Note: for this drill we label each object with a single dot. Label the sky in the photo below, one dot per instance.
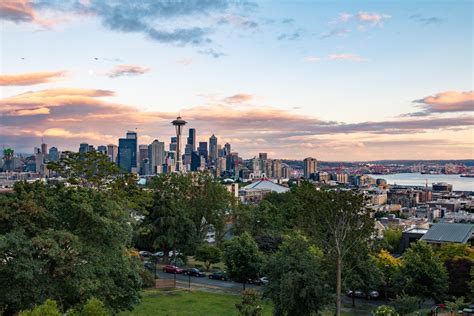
(334, 80)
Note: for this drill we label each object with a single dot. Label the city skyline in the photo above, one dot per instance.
(346, 82)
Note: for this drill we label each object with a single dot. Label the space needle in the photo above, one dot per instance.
(178, 124)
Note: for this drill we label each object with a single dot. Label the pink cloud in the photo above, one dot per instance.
(372, 17)
(27, 79)
(127, 70)
(239, 98)
(346, 57)
(449, 101)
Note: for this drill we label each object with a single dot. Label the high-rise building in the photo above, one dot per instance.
(112, 152)
(173, 143)
(192, 139)
(53, 154)
(44, 149)
(310, 167)
(227, 149)
(276, 169)
(102, 149)
(202, 150)
(213, 148)
(157, 155)
(127, 152)
(143, 158)
(83, 148)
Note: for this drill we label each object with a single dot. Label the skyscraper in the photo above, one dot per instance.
(227, 149)
(203, 149)
(157, 155)
(213, 148)
(143, 157)
(173, 143)
(44, 149)
(53, 154)
(83, 148)
(127, 152)
(112, 152)
(310, 167)
(192, 139)
(102, 149)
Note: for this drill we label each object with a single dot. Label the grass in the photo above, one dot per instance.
(218, 266)
(183, 303)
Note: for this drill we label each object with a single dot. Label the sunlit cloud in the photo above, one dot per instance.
(27, 79)
(445, 102)
(239, 98)
(372, 17)
(346, 57)
(127, 70)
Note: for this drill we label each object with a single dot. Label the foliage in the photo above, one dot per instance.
(148, 280)
(91, 169)
(422, 274)
(338, 222)
(405, 304)
(296, 278)
(48, 308)
(65, 243)
(94, 307)
(459, 275)
(184, 208)
(454, 252)
(242, 258)
(268, 244)
(384, 310)
(208, 254)
(456, 304)
(392, 237)
(471, 284)
(251, 304)
(389, 266)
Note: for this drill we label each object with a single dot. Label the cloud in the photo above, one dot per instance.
(127, 70)
(372, 17)
(27, 79)
(238, 98)
(16, 11)
(211, 52)
(334, 32)
(237, 21)
(444, 102)
(346, 57)
(66, 117)
(426, 20)
(311, 59)
(184, 61)
(289, 36)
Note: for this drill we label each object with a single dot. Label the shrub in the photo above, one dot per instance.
(148, 280)
(251, 304)
(384, 310)
(94, 307)
(405, 304)
(48, 308)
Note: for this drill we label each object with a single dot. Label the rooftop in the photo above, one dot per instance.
(265, 184)
(449, 233)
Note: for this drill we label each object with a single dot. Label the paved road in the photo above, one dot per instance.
(205, 282)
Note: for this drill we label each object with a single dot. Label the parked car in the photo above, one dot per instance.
(264, 280)
(158, 254)
(257, 281)
(172, 269)
(219, 275)
(144, 254)
(361, 294)
(149, 266)
(194, 272)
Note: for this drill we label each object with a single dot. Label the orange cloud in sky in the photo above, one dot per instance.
(127, 70)
(27, 79)
(22, 11)
(449, 101)
(238, 98)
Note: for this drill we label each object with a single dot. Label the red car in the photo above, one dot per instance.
(172, 269)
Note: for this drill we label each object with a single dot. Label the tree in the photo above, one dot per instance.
(384, 310)
(389, 266)
(68, 244)
(242, 258)
(251, 304)
(392, 237)
(459, 275)
(454, 252)
(338, 221)
(208, 254)
(94, 307)
(297, 280)
(421, 273)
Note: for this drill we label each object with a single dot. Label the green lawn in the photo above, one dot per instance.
(183, 303)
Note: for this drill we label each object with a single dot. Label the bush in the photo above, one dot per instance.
(48, 308)
(251, 304)
(148, 280)
(384, 310)
(405, 304)
(94, 307)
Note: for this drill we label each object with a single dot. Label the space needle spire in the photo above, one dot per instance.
(178, 124)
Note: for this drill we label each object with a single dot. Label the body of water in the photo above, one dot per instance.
(459, 183)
